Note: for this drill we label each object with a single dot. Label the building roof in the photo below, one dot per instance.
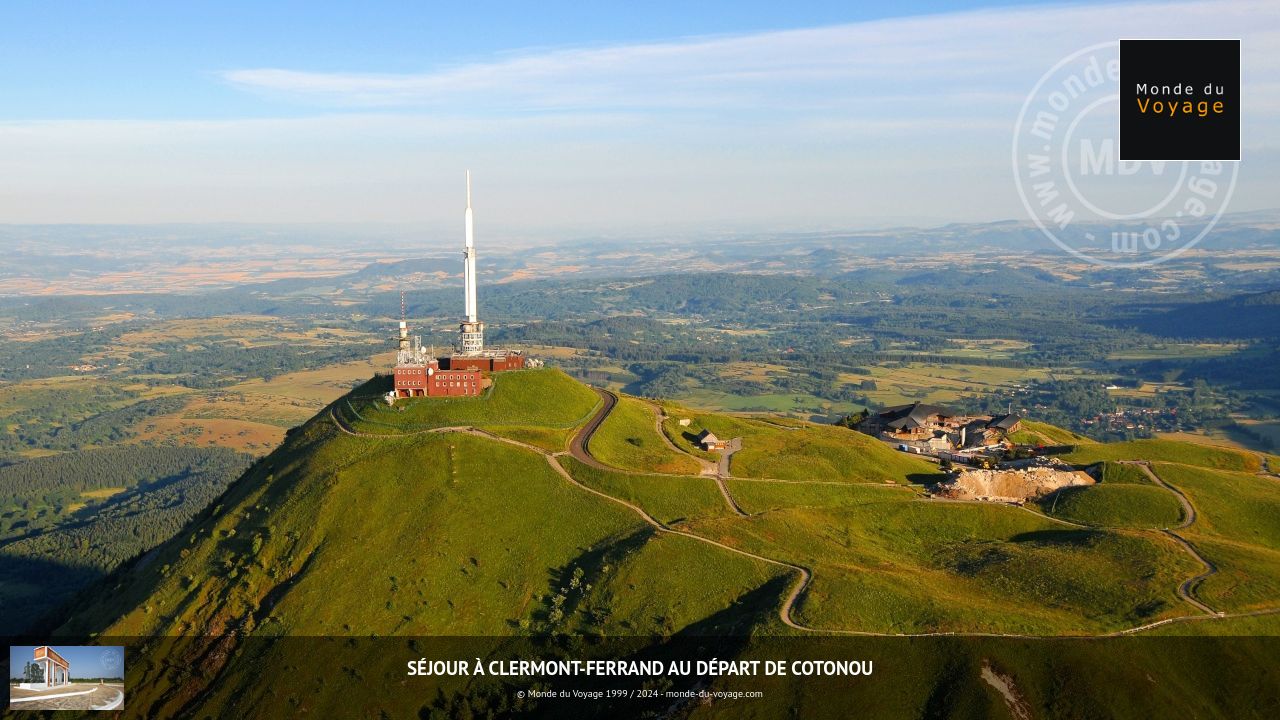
(907, 417)
(1004, 422)
(706, 436)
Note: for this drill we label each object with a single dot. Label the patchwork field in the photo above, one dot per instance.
(899, 383)
(767, 403)
(244, 435)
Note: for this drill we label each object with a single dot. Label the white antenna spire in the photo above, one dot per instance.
(469, 259)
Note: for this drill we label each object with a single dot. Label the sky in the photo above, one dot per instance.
(86, 661)
(574, 118)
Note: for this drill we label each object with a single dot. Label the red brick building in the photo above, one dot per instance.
(428, 380)
(490, 361)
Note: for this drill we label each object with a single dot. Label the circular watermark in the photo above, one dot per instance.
(1082, 196)
(112, 659)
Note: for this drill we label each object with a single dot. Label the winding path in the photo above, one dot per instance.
(578, 445)
(1188, 586)
(579, 449)
(722, 469)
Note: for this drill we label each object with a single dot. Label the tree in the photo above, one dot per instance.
(32, 673)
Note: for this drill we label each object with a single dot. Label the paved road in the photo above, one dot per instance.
(803, 574)
(581, 439)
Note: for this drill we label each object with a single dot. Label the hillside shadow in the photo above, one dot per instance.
(35, 592)
(925, 479)
(744, 614)
(561, 580)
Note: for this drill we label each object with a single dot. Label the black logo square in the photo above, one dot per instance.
(1179, 99)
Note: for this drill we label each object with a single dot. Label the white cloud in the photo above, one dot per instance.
(962, 55)
(838, 126)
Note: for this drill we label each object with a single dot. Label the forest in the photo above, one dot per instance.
(68, 519)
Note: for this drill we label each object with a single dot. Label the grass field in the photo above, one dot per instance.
(804, 452)
(1166, 451)
(756, 496)
(801, 403)
(455, 534)
(549, 439)
(544, 398)
(628, 439)
(1115, 505)
(668, 499)
(1038, 433)
(1238, 529)
(102, 493)
(978, 566)
(1115, 473)
(1179, 351)
(244, 435)
(426, 567)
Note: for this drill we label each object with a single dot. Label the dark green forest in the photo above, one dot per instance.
(54, 540)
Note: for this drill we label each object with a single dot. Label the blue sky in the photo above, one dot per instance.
(139, 60)
(575, 118)
(86, 661)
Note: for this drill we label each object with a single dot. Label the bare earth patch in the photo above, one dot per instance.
(1012, 486)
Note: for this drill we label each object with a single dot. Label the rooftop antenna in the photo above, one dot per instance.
(402, 317)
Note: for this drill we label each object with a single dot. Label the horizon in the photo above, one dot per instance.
(822, 120)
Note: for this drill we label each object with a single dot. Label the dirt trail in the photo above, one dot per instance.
(803, 574)
(1189, 585)
(722, 468)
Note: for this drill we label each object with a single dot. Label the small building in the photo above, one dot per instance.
(940, 442)
(915, 421)
(707, 440)
(57, 671)
(1005, 423)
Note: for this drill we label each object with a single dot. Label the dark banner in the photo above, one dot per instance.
(429, 677)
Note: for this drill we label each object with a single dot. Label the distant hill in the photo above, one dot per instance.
(1255, 315)
(374, 533)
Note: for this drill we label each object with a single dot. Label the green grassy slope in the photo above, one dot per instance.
(410, 533)
(543, 398)
(883, 559)
(350, 535)
(804, 452)
(627, 439)
(1114, 473)
(1237, 529)
(1118, 505)
(1166, 451)
(1035, 433)
(667, 499)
